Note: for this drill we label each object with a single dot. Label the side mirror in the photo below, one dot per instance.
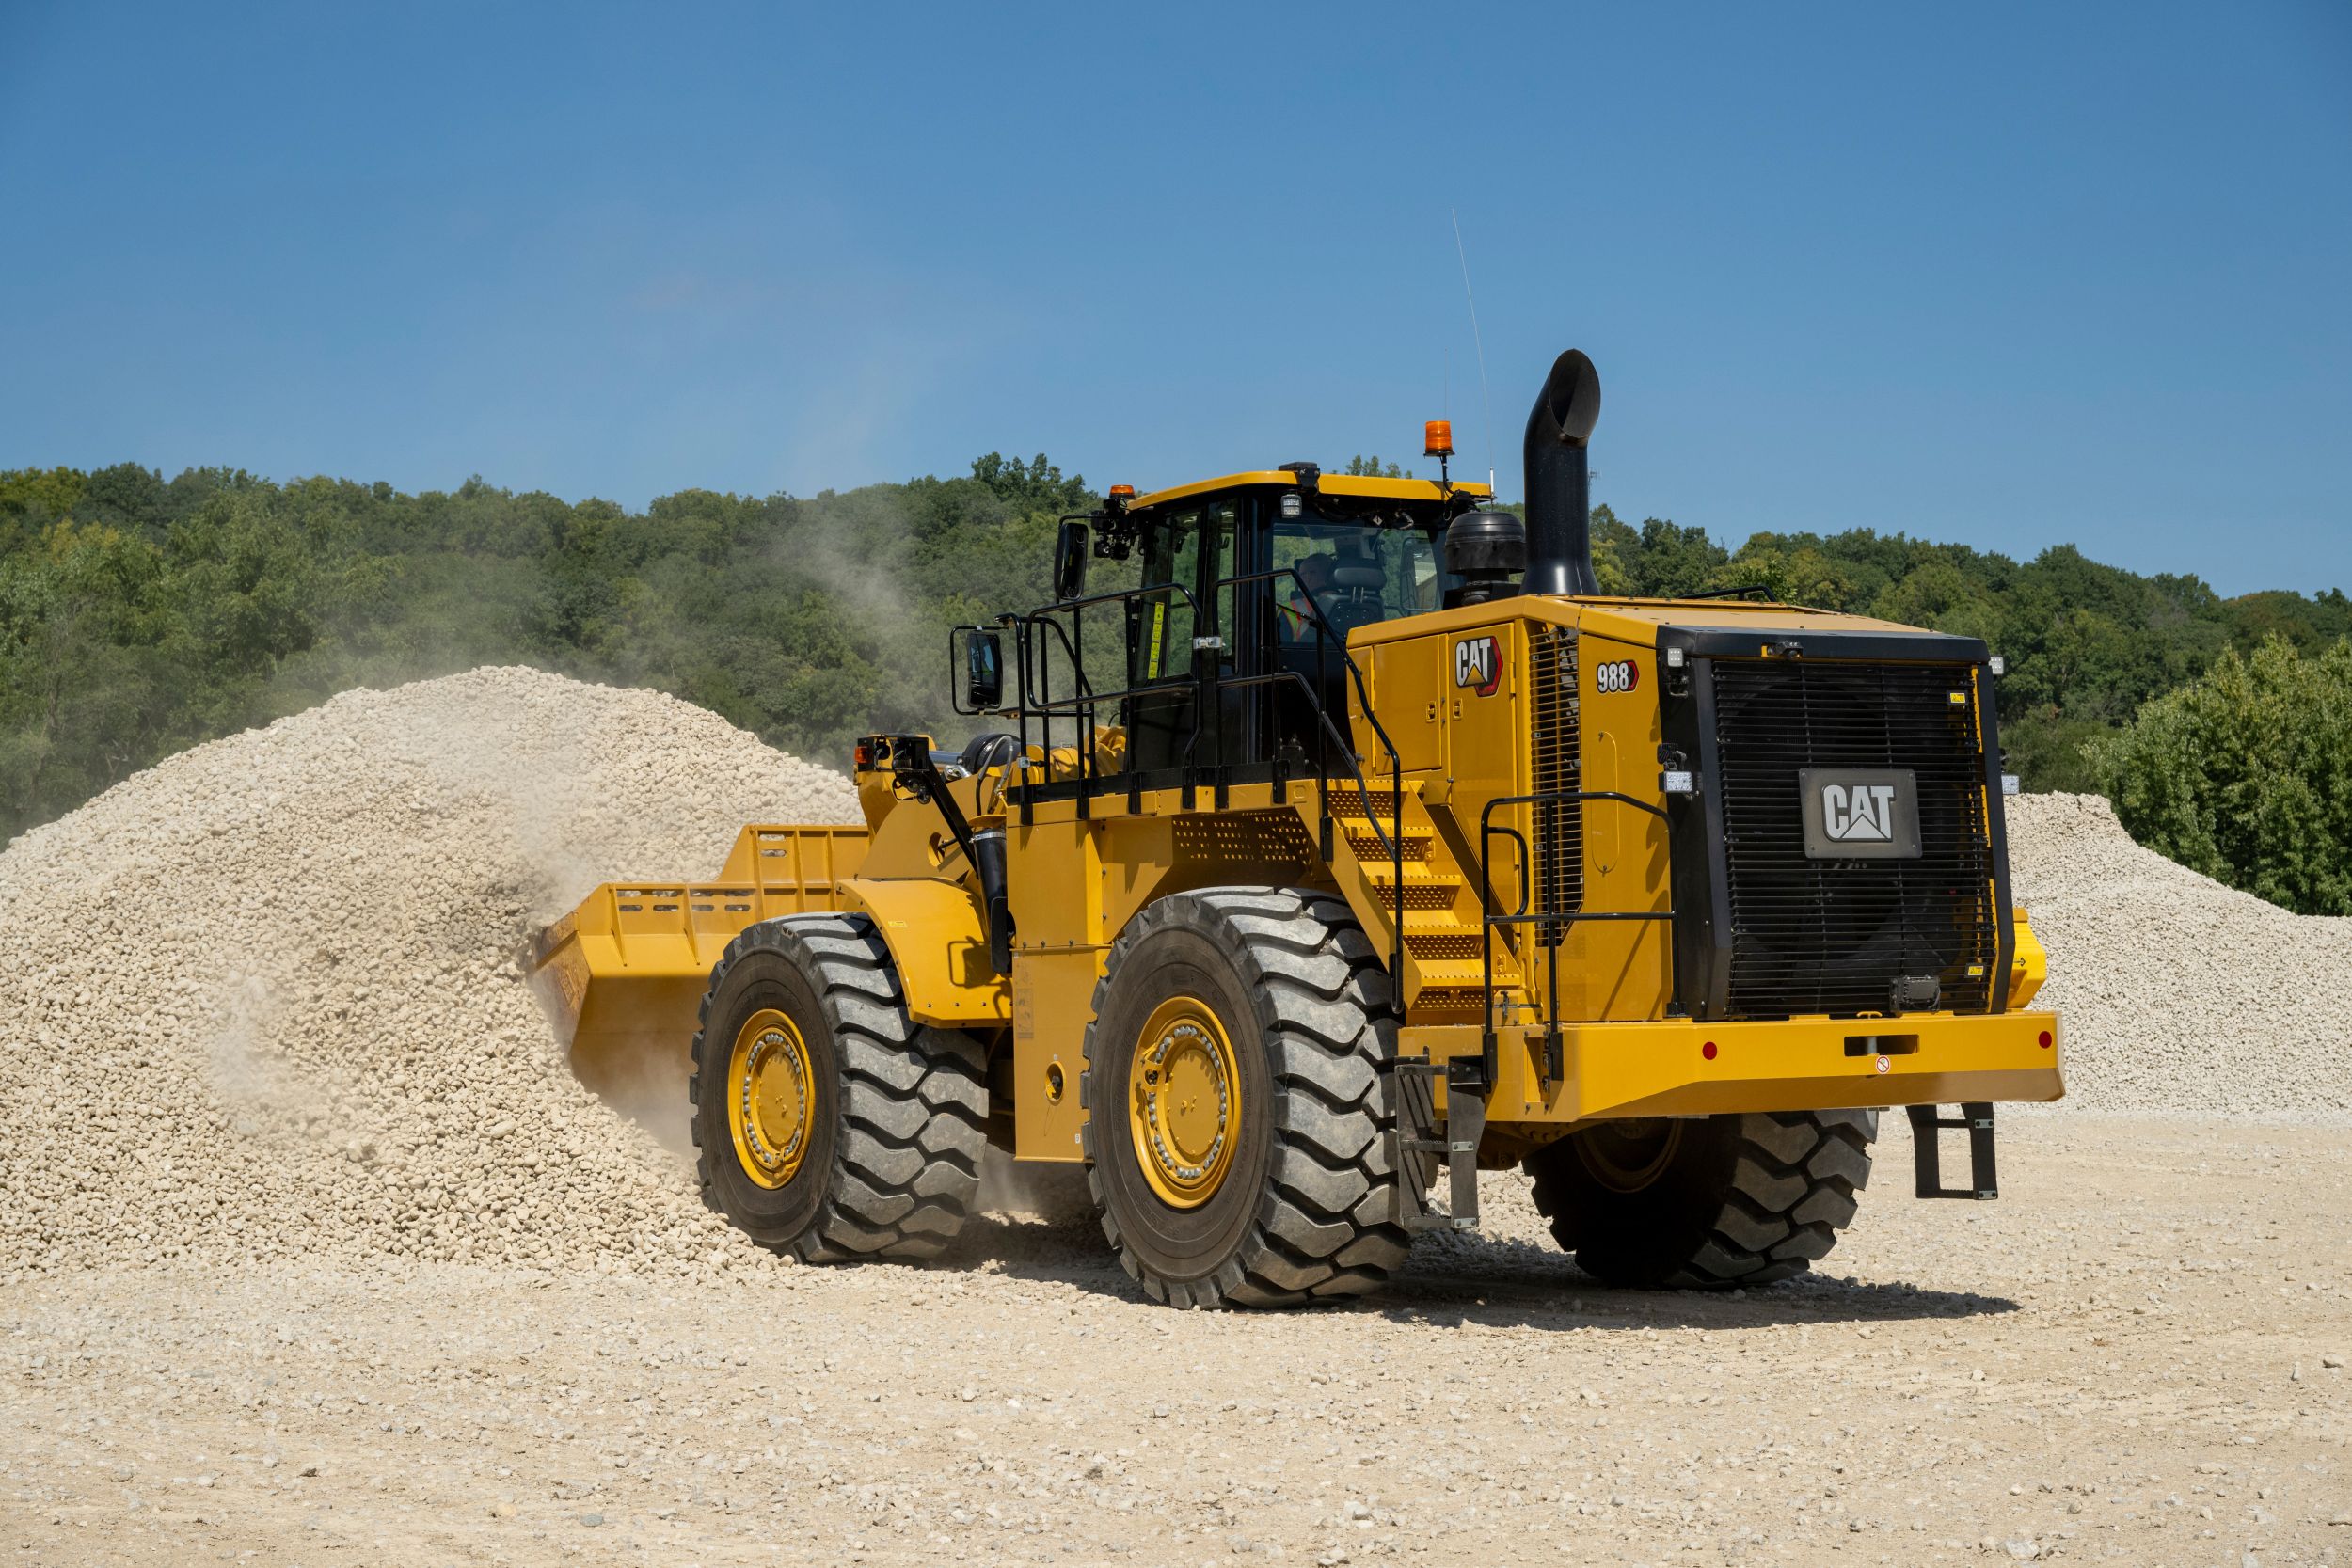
(983, 671)
(1070, 560)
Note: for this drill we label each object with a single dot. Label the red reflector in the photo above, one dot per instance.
(1708, 1050)
(2045, 1039)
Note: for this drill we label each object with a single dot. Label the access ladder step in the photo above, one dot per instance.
(1927, 1125)
(1351, 805)
(1465, 1128)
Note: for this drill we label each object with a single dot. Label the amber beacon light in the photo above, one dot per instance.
(1437, 438)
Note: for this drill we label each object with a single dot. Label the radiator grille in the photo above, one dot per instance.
(1821, 936)
(1557, 767)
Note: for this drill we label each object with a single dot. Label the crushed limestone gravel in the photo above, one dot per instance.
(2177, 993)
(266, 999)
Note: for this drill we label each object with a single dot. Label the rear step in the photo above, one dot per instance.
(1976, 1118)
(1458, 1148)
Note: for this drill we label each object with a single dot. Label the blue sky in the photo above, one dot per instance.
(2014, 275)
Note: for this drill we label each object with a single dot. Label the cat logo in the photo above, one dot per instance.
(1860, 811)
(1478, 662)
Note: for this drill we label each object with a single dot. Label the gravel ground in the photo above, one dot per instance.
(2135, 1357)
(312, 1251)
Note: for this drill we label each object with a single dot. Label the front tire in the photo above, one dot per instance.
(1705, 1204)
(826, 1123)
(1236, 1087)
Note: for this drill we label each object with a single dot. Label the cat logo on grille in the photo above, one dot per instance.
(1478, 662)
(1858, 810)
(1859, 813)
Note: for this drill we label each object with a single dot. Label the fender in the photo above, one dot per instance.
(938, 937)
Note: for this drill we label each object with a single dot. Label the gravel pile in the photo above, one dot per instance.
(2178, 994)
(265, 999)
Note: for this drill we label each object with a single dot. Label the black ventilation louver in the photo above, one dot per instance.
(1765, 931)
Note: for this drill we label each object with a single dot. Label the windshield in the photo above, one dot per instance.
(1352, 573)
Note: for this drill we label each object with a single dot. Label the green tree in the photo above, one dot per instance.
(1667, 561)
(1802, 575)
(1035, 486)
(1613, 545)
(2246, 774)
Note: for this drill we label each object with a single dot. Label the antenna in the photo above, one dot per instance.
(1484, 396)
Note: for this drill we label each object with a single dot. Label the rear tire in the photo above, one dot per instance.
(1273, 1183)
(1704, 1205)
(827, 1123)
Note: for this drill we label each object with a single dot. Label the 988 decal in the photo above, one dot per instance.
(1617, 675)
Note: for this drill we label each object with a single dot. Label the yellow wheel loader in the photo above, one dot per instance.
(1354, 844)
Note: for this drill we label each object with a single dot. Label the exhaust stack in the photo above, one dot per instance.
(1559, 485)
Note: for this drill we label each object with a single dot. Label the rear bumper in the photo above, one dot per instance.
(1803, 1064)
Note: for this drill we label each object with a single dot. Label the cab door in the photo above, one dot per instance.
(1176, 639)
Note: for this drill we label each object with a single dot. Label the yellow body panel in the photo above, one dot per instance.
(1660, 1068)
(1052, 1001)
(938, 938)
(1412, 703)
(2031, 967)
(1056, 893)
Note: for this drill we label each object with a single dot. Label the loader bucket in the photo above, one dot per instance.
(622, 976)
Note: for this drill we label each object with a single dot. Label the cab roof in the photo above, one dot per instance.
(1364, 485)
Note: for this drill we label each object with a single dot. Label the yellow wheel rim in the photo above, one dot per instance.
(770, 1091)
(1183, 1102)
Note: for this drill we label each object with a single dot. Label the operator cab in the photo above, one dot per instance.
(1261, 577)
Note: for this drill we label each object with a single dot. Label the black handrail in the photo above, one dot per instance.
(1392, 842)
(1554, 1062)
(1036, 687)
(1036, 697)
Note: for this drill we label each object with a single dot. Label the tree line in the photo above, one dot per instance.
(139, 615)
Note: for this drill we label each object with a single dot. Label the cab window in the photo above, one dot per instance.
(1353, 574)
(1169, 621)
(1162, 641)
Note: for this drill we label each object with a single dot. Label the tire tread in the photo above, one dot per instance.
(912, 1100)
(1793, 1177)
(1326, 1223)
